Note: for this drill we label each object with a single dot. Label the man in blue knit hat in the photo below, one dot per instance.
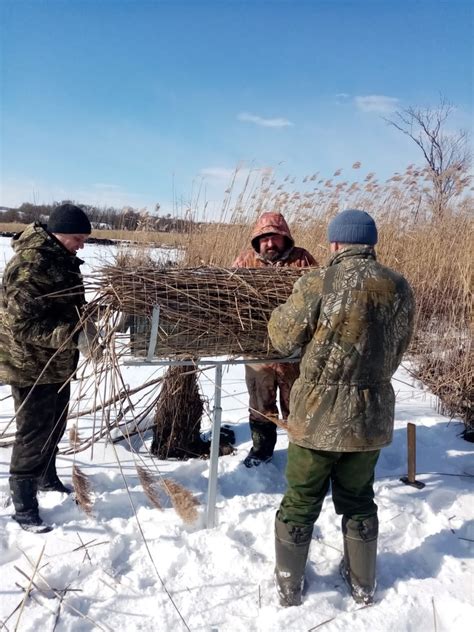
(353, 319)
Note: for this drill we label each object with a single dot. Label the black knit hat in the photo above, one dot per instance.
(68, 219)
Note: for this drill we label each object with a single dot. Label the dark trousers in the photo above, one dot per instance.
(309, 474)
(41, 416)
(263, 381)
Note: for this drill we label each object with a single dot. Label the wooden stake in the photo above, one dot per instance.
(411, 459)
(411, 452)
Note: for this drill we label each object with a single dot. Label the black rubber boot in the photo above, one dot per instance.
(358, 567)
(291, 552)
(50, 481)
(254, 459)
(264, 438)
(55, 486)
(23, 491)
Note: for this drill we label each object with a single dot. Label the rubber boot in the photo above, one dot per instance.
(50, 481)
(360, 556)
(291, 552)
(264, 436)
(23, 491)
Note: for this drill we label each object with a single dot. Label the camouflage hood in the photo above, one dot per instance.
(271, 224)
(353, 321)
(42, 296)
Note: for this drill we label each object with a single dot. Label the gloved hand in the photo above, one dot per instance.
(88, 342)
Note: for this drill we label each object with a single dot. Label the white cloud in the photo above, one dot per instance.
(246, 117)
(376, 103)
(342, 97)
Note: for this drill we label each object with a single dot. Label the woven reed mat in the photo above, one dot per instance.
(205, 311)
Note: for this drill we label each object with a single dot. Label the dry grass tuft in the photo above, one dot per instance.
(82, 490)
(176, 432)
(74, 437)
(150, 486)
(451, 378)
(182, 500)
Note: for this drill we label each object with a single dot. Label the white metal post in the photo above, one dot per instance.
(214, 457)
(155, 321)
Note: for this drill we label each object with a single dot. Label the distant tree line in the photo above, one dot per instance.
(105, 217)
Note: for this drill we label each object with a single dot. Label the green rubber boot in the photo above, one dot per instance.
(291, 552)
(360, 556)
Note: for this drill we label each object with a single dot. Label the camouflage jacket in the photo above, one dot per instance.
(353, 321)
(37, 341)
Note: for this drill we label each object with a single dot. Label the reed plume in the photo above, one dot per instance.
(150, 486)
(82, 490)
(182, 499)
(74, 437)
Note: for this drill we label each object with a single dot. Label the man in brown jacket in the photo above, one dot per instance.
(272, 245)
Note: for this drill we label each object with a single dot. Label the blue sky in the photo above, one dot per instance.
(132, 102)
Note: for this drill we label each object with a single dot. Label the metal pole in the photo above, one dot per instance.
(157, 362)
(214, 457)
(155, 320)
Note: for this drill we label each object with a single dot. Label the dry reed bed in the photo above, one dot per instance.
(308, 203)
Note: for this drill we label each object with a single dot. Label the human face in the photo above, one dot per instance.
(73, 243)
(272, 246)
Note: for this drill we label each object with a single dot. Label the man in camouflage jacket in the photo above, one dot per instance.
(352, 321)
(42, 300)
(272, 245)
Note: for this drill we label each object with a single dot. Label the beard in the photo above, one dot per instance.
(271, 255)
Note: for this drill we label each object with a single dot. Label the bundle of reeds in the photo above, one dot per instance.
(176, 433)
(204, 311)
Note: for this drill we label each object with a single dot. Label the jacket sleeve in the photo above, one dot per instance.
(30, 312)
(241, 260)
(292, 324)
(405, 318)
(301, 258)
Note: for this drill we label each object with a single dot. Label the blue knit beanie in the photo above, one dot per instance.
(352, 227)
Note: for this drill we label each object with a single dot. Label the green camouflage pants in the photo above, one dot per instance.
(309, 473)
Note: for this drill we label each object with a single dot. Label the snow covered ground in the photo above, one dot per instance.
(136, 568)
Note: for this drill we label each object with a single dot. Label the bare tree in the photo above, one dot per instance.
(446, 153)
